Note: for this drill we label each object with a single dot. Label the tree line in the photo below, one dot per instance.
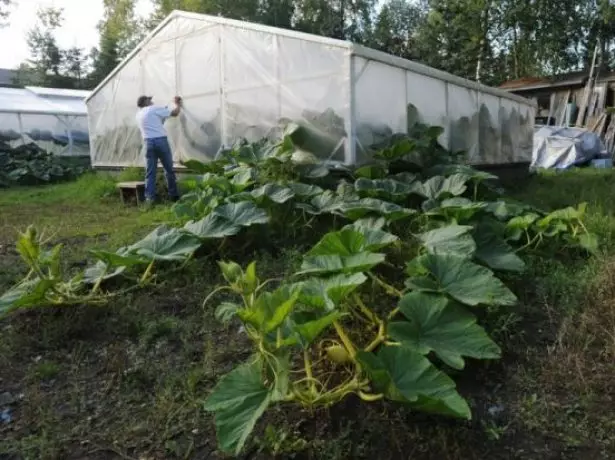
(485, 40)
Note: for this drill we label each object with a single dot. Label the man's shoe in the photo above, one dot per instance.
(174, 199)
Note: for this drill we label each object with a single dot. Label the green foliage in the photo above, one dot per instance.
(30, 165)
(423, 243)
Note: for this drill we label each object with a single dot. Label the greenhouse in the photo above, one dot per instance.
(243, 80)
(53, 119)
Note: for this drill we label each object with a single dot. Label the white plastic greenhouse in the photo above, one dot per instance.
(54, 119)
(244, 80)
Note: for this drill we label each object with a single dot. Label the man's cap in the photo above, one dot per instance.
(143, 100)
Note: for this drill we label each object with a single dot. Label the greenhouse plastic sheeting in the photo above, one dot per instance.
(54, 122)
(235, 83)
(241, 80)
(562, 147)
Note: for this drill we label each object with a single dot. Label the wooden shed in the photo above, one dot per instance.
(559, 96)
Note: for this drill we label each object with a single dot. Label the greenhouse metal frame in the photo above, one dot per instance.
(245, 80)
(53, 119)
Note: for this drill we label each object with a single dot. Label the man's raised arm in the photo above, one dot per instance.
(178, 104)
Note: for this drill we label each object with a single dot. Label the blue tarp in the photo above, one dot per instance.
(560, 147)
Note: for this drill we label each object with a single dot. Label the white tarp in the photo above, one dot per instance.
(561, 147)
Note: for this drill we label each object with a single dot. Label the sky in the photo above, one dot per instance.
(80, 20)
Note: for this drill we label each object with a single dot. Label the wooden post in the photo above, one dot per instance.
(589, 88)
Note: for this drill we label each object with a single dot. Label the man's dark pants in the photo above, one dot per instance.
(159, 149)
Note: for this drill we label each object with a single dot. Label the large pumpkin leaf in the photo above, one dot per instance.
(334, 264)
(517, 226)
(121, 258)
(327, 293)
(25, 294)
(437, 324)
(387, 189)
(468, 172)
(310, 171)
(452, 239)
(494, 252)
(239, 399)
(406, 376)
(343, 251)
(217, 182)
(99, 270)
(371, 171)
(398, 150)
(374, 237)
(327, 202)
(439, 187)
(405, 178)
(242, 214)
(371, 206)
(243, 177)
(274, 193)
(166, 243)
(346, 192)
(369, 223)
(239, 197)
(344, 243)
(212, 226)
(196, 166)
(505, 210)
(458, 209)
(463, 280)
(304, 190)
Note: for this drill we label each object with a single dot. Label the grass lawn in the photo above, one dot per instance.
(127, 380)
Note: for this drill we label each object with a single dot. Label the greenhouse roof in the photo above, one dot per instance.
(58, 92)
(43, 101)
(352, 48)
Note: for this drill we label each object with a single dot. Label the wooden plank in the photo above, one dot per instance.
(133, 184)
(595, 122)
(609, 137)
(588, 90)
(551, 106)
(601, 125)
(129, 189)
(561, 116)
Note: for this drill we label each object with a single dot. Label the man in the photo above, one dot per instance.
(150, 119)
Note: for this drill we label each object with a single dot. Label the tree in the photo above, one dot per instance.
(120, 31)
(542, 37)
(75, 66)
(48, 64)
(45, 65)
(277, 13)
(247, 10)
(455, 36)
(4, 11)
(396, 27)
(341, 19)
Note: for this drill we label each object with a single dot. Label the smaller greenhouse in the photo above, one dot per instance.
(53, 119)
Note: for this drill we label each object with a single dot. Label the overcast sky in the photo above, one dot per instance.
(80, 20)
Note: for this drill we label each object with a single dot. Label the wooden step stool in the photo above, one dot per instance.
(130, 189)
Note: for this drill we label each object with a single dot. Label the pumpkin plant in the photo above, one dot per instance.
(318, 339)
